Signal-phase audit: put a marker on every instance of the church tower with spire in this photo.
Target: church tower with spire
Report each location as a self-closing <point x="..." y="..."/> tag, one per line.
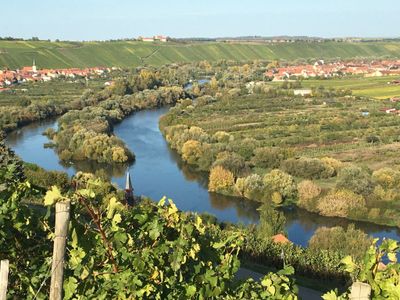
<point x="34" y="69"/>
<point x="129" y="197"/>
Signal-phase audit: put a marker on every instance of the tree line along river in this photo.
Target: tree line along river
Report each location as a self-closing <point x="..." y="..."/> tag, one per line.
<point x="158" y="171"/>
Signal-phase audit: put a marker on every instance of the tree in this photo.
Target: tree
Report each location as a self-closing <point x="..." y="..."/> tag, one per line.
<point x="341" y="203"/>
<point x="355" y="179"/>
<point x="307" y="192"/>
<point x="220" y="180"/>
<point x="251" y="187"/>
<point x="350" y="241"/>
<point x="191" y="151"/>
<point x="305" y="167"/>
<point x="271" y="223"/>
<point x="387" y="178"/>
<point x="233" y="162"/>
<point x="270" y="157"/>
<point x="280" y="182"/>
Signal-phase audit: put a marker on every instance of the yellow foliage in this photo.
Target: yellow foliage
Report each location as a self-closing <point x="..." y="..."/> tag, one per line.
<point x="220" y="179"/>
<point x="276" y="198"/>
<point x="332" y="163"/>
<point x="307" y="192"/>
<point x="191" y="151"/>
<point x="339" y="203"/>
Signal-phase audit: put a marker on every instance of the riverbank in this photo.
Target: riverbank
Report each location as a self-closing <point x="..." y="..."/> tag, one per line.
<point x="159" y="171"/>
<point x="253" y="146"/>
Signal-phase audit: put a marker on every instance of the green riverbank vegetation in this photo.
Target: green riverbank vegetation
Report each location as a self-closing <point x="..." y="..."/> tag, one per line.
<point x="154" y="250"/>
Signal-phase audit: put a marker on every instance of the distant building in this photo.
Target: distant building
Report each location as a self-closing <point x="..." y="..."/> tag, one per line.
<point x="158" y="38"/>
<point x="280" y="239"/>
<point x="303" y="92"/>
<point x="146" y="39"/>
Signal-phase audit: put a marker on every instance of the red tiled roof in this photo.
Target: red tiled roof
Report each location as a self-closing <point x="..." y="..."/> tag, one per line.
<point x="280" y="239"/>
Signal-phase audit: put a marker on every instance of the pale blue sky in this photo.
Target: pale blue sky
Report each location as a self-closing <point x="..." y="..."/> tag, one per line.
<point x="101" y="19"/>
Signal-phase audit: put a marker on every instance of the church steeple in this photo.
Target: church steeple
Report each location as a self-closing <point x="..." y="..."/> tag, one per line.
<point x="34" y="69"/>
<point x="129" y="190"/>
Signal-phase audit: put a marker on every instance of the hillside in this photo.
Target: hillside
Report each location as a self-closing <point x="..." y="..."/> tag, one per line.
<point x="14" y="54"/>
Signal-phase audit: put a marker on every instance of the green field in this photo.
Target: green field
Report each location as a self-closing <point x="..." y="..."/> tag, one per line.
<point x="14" y="54"/>
<point x="376" y="87"/>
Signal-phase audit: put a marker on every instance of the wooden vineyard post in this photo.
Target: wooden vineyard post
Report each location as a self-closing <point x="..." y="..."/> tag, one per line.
<point x="60" y="241"/>
<point x="4" y="267"/>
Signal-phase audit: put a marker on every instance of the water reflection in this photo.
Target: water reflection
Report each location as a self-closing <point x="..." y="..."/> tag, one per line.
<point x="159" y="171"/>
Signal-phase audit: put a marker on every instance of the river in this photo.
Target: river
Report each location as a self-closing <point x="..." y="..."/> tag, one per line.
<point x="159" y="171"/>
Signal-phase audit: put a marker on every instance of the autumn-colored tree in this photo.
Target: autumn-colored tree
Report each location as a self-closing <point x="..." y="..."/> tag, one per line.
<point x="220" y="179"/>
<point x="387" y="178"/>
<point x="333" y="164"/>
<point x="307" y="192"/>
<point x="340" y="203"/>
<point x="191" y="151"/>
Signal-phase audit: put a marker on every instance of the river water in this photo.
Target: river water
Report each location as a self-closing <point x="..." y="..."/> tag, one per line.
<point x="159" y="171"/>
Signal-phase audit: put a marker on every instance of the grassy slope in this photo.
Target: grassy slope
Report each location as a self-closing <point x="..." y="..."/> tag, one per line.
<point x="130" y="54"/>
<point x="376" y="87"/>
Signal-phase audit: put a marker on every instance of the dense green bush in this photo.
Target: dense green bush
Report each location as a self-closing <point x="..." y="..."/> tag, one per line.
<point x="348" y="241"/>
<point x="355" y="179"/>
<point x="46" y="179"/>
<point x="281" y="183"/>
<point x="270" y="157"/>
<point x="310" y="168"/>
<point x="251" y="187"/>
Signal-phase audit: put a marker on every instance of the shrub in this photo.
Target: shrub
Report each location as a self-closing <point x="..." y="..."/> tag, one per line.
<point x="385" y="195"/>
<point x="231" y="161"/>
<point x="270" y="157"/>
<point x="311" y="168"/>
<point x="220" y="180"/>
<point x="354" y="179"/>
<point x="251" y="187"/>
<point x="191" y="151"/>
<point x="271" y="222"/>
<point x="307" y="192"/>
<point x="332" y="164"/>
<point x="222" y="137"/>
<point x="386" y="177"/>
<point x="281" y="182"/>
<point x="348" y="241"/>
<point x="339" y="203"/>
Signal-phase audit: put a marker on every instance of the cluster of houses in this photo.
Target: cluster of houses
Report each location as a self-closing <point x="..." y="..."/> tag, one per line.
<point x="326" y="70"/>
<point x="32" y="73"/>
<point x="156" y="38"/>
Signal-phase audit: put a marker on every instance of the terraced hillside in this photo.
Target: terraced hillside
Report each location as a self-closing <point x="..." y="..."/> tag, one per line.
<point x="129" y="54"/>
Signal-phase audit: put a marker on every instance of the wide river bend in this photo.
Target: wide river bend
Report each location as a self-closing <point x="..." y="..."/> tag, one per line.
<point x="159" y="171"/>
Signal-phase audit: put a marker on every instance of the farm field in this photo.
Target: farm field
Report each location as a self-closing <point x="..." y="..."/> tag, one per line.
<point x="375" y="87"/>
<point x="310" y="128"/>
<point x="15" y="54"/>
<point x="57" y="91"/>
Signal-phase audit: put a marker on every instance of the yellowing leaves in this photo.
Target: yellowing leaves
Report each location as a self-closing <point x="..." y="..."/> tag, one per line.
<point x="52" y="196"/>
<point x="113" y="205"/>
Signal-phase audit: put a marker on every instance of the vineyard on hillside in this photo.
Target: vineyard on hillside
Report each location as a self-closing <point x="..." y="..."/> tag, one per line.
<point x="15" y="54"/>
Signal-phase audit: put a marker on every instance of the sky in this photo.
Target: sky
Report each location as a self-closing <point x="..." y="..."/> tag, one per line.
<point x="102" y="19"/>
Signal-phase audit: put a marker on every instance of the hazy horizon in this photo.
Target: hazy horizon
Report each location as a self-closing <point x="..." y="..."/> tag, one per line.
<point x="104" y="20"/>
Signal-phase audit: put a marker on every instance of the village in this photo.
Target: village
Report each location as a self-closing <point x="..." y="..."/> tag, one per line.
<point x="320" y="69"/>
<point x="34" y="74"/>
